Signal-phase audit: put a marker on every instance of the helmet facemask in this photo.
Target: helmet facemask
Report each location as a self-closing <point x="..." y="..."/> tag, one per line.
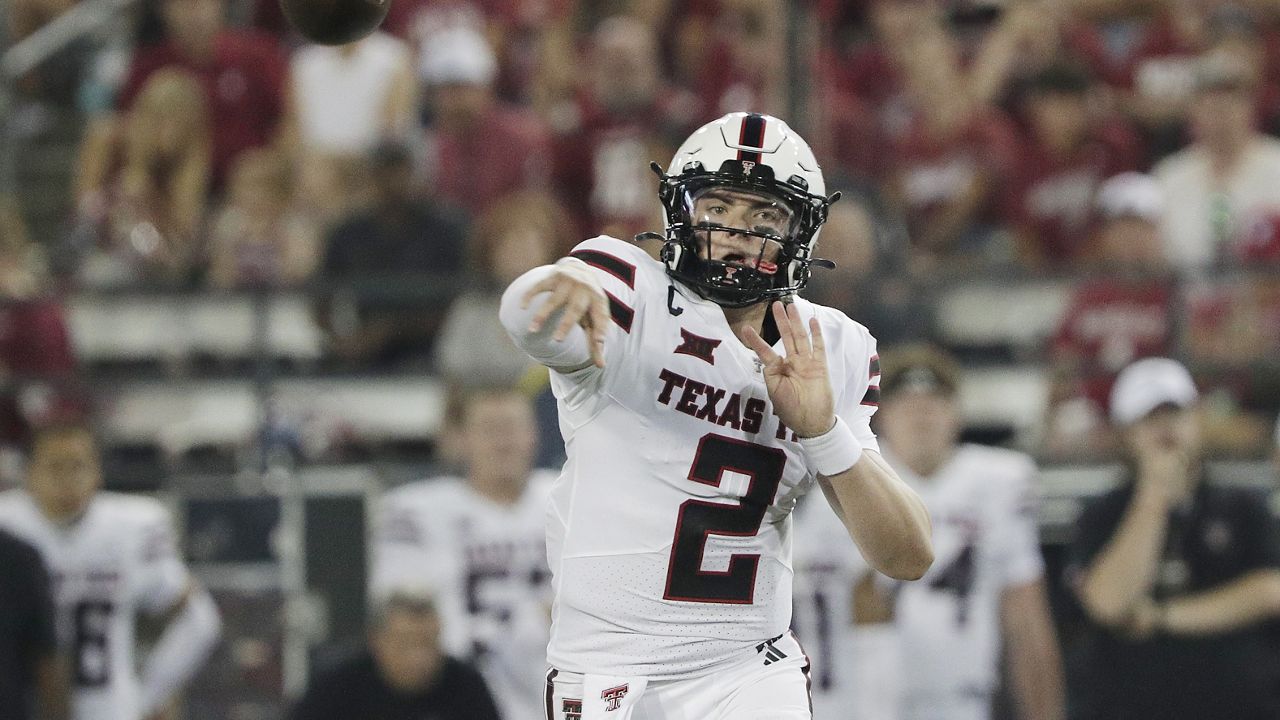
<point x="739" y="238"/>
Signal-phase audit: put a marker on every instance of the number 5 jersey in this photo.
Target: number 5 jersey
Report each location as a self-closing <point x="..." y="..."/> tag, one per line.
<point x="669" y="530"/>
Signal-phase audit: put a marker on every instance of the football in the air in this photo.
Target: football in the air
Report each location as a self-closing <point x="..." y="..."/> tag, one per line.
<point x="335" y="22"/>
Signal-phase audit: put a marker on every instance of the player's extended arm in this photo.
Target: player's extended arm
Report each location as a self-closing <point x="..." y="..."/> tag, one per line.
<point x="884" y="516"/>
<point x="1032" y="652"/>
<point x="1245" y="601"/>
<point x="549" y="312"/>
<point x="189" y="636"/>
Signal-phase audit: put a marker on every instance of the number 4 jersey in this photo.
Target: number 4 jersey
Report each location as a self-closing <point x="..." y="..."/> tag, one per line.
<point x="669" y="533"/>
<point x="947" y="624"/>
<point x="118" y="559"/>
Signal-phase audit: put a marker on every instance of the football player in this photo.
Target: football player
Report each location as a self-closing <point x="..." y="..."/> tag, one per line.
<point x="477" y="545"/>
<point x="932" y="650"/>
<point x="111" y="557"/>
<point x="699" y="397"/>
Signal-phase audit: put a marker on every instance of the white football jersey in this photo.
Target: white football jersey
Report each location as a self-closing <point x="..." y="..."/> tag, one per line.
<point x="985" y="540"/>
<point x="120" y="558"/>
<point x="827" y="567"/>
<point x="669" y="532"/>
<point x="486" y="565"/>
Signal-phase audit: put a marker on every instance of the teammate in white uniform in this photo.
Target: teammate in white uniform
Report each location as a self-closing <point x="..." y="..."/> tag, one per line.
<point x="110" y="556"/>
<point x="984" y="594"/>
<point x="478" y="547"/>
<point x="826" y="574"/>
<point x="690" y="437"/>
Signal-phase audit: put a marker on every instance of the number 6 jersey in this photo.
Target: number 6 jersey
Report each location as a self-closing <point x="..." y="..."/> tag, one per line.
<point x="669" y="530"/>
<point x="118" y="559"/>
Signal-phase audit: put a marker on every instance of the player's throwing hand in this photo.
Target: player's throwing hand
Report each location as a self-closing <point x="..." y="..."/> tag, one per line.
<point x="572" y="287"/>
<point x="798" y="384"/>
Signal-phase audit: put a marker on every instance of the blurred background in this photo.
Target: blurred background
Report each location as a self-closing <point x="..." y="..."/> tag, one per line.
<point x="267" y="269"/>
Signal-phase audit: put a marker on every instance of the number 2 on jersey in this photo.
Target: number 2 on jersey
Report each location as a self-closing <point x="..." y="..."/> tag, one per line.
<point x="699" y="519"/>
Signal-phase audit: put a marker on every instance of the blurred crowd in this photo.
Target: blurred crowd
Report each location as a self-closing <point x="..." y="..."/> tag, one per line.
<point x="1124" y="145"/>
<point x="1123" y="152"/>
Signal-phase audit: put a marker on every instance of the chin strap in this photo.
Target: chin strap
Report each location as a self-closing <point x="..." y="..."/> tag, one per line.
<point x="671" y="301"/>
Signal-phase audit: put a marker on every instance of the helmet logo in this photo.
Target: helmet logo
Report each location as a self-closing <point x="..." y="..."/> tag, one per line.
<point x="747" y="166"/>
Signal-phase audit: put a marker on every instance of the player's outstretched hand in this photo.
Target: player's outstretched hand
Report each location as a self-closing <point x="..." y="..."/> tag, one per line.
<point x="573" y="287"/>
<point x="798" y="383"/>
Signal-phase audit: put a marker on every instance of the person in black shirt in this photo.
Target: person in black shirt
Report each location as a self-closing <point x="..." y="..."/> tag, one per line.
<point x="1175" y="574"/>
<point x="31" y="675"/>
<point x="385" y="255"/>
<point x="403" y="675"/>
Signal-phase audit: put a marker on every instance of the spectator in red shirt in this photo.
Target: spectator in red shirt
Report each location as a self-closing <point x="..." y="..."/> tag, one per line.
<point x="36" y="358"/>
<point x="1066" y="154"/>
<point x="483" y="149"/>
<point x="1111" y="320"/>
<point x="952" y="167"/>
<point x="625" y="118"/>
<point x="243" y="74"/>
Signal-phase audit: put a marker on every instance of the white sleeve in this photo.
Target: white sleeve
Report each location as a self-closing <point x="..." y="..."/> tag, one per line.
<point x="182" y="649"/>
<point x="1019" y="534"/>
<point x="861" y="397"/>
<point x="163" y="578"/>
<point x="571" y="352"/>
<point x="617" y="265"/>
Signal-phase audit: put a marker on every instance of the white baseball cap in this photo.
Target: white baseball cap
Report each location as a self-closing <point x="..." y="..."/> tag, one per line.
<point x="1131" y="194"/>
<point x="458" y="55"/>
<point x="1148" y="384"/>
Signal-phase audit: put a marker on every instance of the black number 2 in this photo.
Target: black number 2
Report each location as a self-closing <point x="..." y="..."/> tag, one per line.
<point x="92" y="650"/>
<point x="698" y="519"/>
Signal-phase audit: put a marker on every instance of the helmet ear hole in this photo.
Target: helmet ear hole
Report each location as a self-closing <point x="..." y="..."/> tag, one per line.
<point x="799" y="182"/>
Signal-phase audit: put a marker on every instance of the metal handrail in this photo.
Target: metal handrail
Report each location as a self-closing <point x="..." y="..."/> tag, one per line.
<point x="81" y="20"/>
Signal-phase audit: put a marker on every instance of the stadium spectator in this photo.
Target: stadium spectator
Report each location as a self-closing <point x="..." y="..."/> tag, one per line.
<point x="952" y="161"/>
<point x="1064" y="157"/>
<point x="257" y="239"/>
<point x="327" y="189"/>
<point x="625" y="117"/>
<point x="1228" y="179"/>
<point x="933" y="649"/>
<point x="243" y="74"/>
<point x="518" y="233"/>
<point x="114" y="557"/>
<point x="343" y="100"/>
<point x="481" y="148"/>
<point x="33" y="681"/>
<point x="741" y="66"/>
<point x="402" y="675"/>
<point x="143" y="185"/>
<point x="1174" y="571"/>
<point x="476" y="543"/>
<point x="1122" y="312"/>
<point x="36" y="355"/>
<point x="381" y="255"/>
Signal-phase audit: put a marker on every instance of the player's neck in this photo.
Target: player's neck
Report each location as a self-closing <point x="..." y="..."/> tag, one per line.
<point x="925" y="464"/>
<point x="495" y="489"/>
<point x="751" y="316"/>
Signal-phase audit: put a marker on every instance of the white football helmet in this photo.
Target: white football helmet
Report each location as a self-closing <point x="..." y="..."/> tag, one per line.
<point x="761" y="158"/>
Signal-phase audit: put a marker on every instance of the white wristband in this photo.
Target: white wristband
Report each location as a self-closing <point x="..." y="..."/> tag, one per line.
<point x="834" y="451"/>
